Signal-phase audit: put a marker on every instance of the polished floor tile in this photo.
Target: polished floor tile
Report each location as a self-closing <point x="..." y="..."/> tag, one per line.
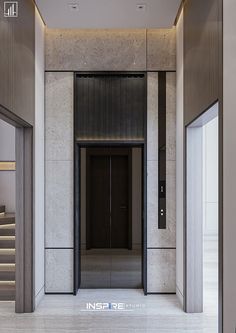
<point x="136" y="314"/>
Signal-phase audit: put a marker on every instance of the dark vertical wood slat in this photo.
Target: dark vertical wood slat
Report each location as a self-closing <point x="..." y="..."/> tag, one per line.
<point x="111" y="107"/>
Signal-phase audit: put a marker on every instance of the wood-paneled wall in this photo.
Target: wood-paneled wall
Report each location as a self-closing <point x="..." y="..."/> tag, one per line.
<point x="203" y="85"/>
<point x="202" y="31"/>
<point x="17" y="61"/>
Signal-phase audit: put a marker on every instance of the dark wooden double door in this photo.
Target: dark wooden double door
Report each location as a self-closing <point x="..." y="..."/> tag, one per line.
<point x="109" y="187"/>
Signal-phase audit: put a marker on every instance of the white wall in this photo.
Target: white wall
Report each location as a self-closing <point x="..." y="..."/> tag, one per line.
<point x="210" y="178"/>
<point x="7" y="178"/>
<point x="229" y="166"/>
<point x="39" y="158"/>
<point x="179" y="161"/>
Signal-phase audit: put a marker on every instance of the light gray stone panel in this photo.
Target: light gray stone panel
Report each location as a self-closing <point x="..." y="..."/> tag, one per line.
<point x="161" y="270"/>
<point x="152" y="116"/>
<point x="160" y="237"/>
<point x="59" y="116"/>
<point x="59" y="270"/>
<point x="161" y="49"/>
<point x="152" y="201"/>
<point x="95" y="49"/>
<point x="170" y="116"/>
<point x="171" y="203"/>
<point x="59" y="204"/>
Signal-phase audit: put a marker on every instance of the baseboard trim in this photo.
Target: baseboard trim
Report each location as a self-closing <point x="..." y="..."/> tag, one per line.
<point x="180" y="296"/>
<point x="39" y="297"/>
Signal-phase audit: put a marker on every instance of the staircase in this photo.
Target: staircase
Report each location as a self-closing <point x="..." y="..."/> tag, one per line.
<point x="7" y="257"/>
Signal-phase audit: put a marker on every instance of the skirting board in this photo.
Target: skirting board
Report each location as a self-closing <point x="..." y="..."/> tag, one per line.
<point x="180" y="297"/>
<point x="39" y="297"/>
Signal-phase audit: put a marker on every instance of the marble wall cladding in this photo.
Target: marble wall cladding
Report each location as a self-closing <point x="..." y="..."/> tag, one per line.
<point x="161" y="270"/>
<point x="59" y="160"/>
<point x="59" y="204"/>
<point x="59" y="271"/>
<point x="125" y="50"/>
<point x="171" y="116"/>
<point x="161" y="49"/>
<point x="160" y="237"/>
<point x="171" y="156"/>
<point x="152" y="116"/>
<point x="95" y="49"/>
<point x="59" y="116"/>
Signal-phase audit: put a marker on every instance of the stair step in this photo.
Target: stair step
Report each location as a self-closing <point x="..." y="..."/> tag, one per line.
<point x="7" y="229"/>
<point x="7" y="256"/>
<point x="7" y="275"/>
<point x="7" y="267"/>
<point x="7" y="285"/>
<point x="7" y="242"/>
<point x="7" y="295"/>
<point x="7" y="219"/>
<point x="7" y="290"/>
<point x="7" y="232"/>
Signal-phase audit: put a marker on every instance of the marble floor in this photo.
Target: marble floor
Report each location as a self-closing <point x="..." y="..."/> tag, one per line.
<point x="111" y="268"/>
<point x="136" y="314"/>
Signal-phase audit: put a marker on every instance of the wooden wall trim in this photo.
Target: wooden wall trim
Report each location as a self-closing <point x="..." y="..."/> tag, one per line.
<point x="24" y="221"/>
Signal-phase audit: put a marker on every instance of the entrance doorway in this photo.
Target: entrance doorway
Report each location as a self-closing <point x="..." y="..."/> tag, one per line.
<point x="109" y="198"/>
<point x="18" y="277"/>
<point x="202" y="215"/>
<point x="111" y="217"/>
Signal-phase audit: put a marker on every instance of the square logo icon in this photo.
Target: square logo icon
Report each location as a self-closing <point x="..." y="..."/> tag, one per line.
<point x="10" y="8"/>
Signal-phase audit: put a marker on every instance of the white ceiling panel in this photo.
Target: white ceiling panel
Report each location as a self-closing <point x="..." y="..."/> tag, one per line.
<point x="108" y="14"/>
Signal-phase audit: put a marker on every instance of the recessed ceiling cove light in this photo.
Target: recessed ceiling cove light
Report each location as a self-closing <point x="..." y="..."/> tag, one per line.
<point x="141" y="7"/>
<point x="73" y="6"/>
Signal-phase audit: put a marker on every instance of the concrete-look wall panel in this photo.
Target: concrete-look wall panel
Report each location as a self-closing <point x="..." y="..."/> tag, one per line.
<point x="161" y="237"/>
<point x="161" y="49"/>
<point x="59" y="204"/>
<point x="59" y="270"/>
<point x="152" y="116"/>
<point x="161" y="271"/>
<point x="59" y="116"/>
<point x="152" y="203"/>
<point x="95" y="49"/>
<point x="114" y="50"/>
<point x="170" y="116"/>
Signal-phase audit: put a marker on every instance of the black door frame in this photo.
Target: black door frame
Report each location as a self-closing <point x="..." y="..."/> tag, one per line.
<point x="111" y="151"/>
<point x="77" y="208"/>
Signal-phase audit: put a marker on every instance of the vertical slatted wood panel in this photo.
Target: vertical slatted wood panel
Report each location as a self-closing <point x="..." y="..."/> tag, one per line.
<point x="110" y="107"/>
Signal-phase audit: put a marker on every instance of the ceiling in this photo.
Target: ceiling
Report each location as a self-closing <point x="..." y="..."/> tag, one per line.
<point x="108" y="14"/>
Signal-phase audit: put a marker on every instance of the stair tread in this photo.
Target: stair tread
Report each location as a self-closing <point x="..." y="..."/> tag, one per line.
<point x="7" y="237"/>
<point x="7" y="219"/>
<point x="7" y="226"/>
<point x="7" y="287"/>
<point x="7" y="267"/>
<point x="7" y="251"/>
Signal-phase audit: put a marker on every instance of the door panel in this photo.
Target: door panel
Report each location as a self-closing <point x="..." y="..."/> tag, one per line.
<point x="108" y="259"/>
<point x="119" y="202"/>
<point x="99" y="203"/>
